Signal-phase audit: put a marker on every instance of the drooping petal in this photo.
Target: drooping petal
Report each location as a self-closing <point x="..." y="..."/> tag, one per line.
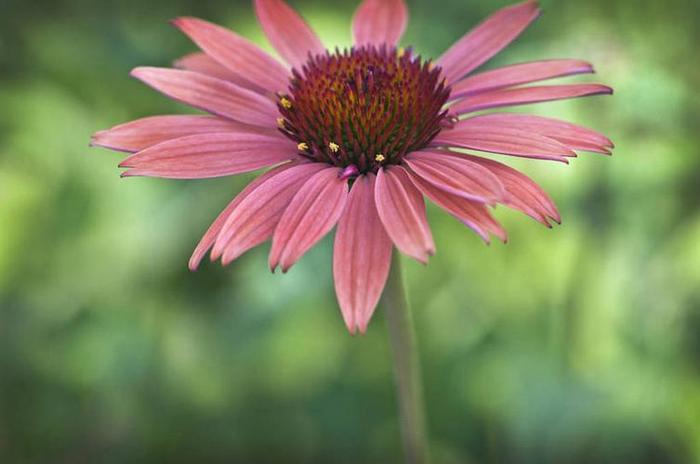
<point x="474" y="215"/>
<point x="210" y="94"/>
<point x="487" y="39"/>
<point x="143" y="133"/>
<point x="506" y="141"/>
<point x="201" y="63"/>
<point x="518" y="74"/>
<point x="361" y="256"/>
<point x="209" y="155"/>
<point x="211" y="234"/>
<point x="311" y="214"/>
<point x="527" y="95"/>
<point x="254" y="219"/>
<point x="458" y="176"/>
<point x="287" y="32"/>
<point x="379" y="22"/>
<point x="238" y="55"/>
<point x="523" y="193"/>
<point x="402" y="211"/>
<point x="575" y="137"/>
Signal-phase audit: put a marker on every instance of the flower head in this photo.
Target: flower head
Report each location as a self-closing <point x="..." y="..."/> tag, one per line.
<point x="354" y="138"/>
<point x="366" y="107"/>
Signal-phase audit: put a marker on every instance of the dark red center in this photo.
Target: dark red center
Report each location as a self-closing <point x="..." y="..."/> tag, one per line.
<point x="363" y="108"/>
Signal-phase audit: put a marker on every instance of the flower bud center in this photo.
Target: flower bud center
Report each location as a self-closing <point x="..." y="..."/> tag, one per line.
<point x="366" y="107"/>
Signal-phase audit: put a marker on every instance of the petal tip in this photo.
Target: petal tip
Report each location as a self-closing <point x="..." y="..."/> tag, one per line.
<point x="127" y="163"/>
<point x="140" y="72"/>
<point x="181" y="63"/>
<point x="420" y="256"/>
<point x="145" y="72"/>
<point x="182" y="21"/>
<point x="193" y="264"/>
<point x="484" y="236"/>
<point x="95" y="138"/>
<point x="501" y="234"/>
<point x="532" y="7"/>
<point x="424" y="260"/>
<point x="216" y="252"/>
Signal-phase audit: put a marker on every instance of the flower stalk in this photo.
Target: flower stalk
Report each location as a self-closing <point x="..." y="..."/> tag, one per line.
<point x="407" y="371"/>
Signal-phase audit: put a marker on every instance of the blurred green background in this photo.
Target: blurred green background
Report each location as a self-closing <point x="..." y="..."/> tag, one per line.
<point x="579" y="344"/>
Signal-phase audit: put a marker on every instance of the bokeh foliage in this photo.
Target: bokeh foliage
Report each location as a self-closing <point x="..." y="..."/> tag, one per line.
<point x="573" y="345"/>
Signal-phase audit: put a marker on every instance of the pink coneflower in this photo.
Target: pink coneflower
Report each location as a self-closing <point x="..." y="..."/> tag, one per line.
<point x="354" y="138"/>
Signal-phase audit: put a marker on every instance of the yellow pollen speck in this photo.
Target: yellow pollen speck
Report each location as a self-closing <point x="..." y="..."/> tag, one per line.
<point x="334" y="147"/>
<point x="284" y="101"/>
<point x="302" y="146"/>
<point x="431" y="66"/>
<point x="401" y="52"/>
<point x="280" y="123"/>
<point x="379" y="158"/>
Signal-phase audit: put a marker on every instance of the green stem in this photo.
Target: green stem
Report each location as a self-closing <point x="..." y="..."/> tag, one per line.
<point x="406" y="367"/>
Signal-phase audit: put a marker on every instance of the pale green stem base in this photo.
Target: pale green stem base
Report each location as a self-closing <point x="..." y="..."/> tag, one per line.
<point x="406" y="367"/>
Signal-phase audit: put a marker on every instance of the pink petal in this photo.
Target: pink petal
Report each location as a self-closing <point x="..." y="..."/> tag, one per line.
<point x="361" y="256"/>
<point x="402" y="211"/>
<point x="523" y="193"/>
<point x="201" y="63"/>
<point x="211" y="94"/>
<point x="143" y="133"/>
<point x="514" y="142"/>
<point x="487" y="39"/>
<point x="210" y="235"/>
<point x="209" y="155"/>
<point x="238" y="55"/>
<point x="379" y="22"/>
<point x="575" y="137"/>
<point x="474" y="215"/>
<point x="458" y="176"/>
<point x="288" y="32"/>
<point x="527" y="95"/>
<point x="254" y="219"/>
<point x="517" y="74"/>
<point x="312" y="213"/>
